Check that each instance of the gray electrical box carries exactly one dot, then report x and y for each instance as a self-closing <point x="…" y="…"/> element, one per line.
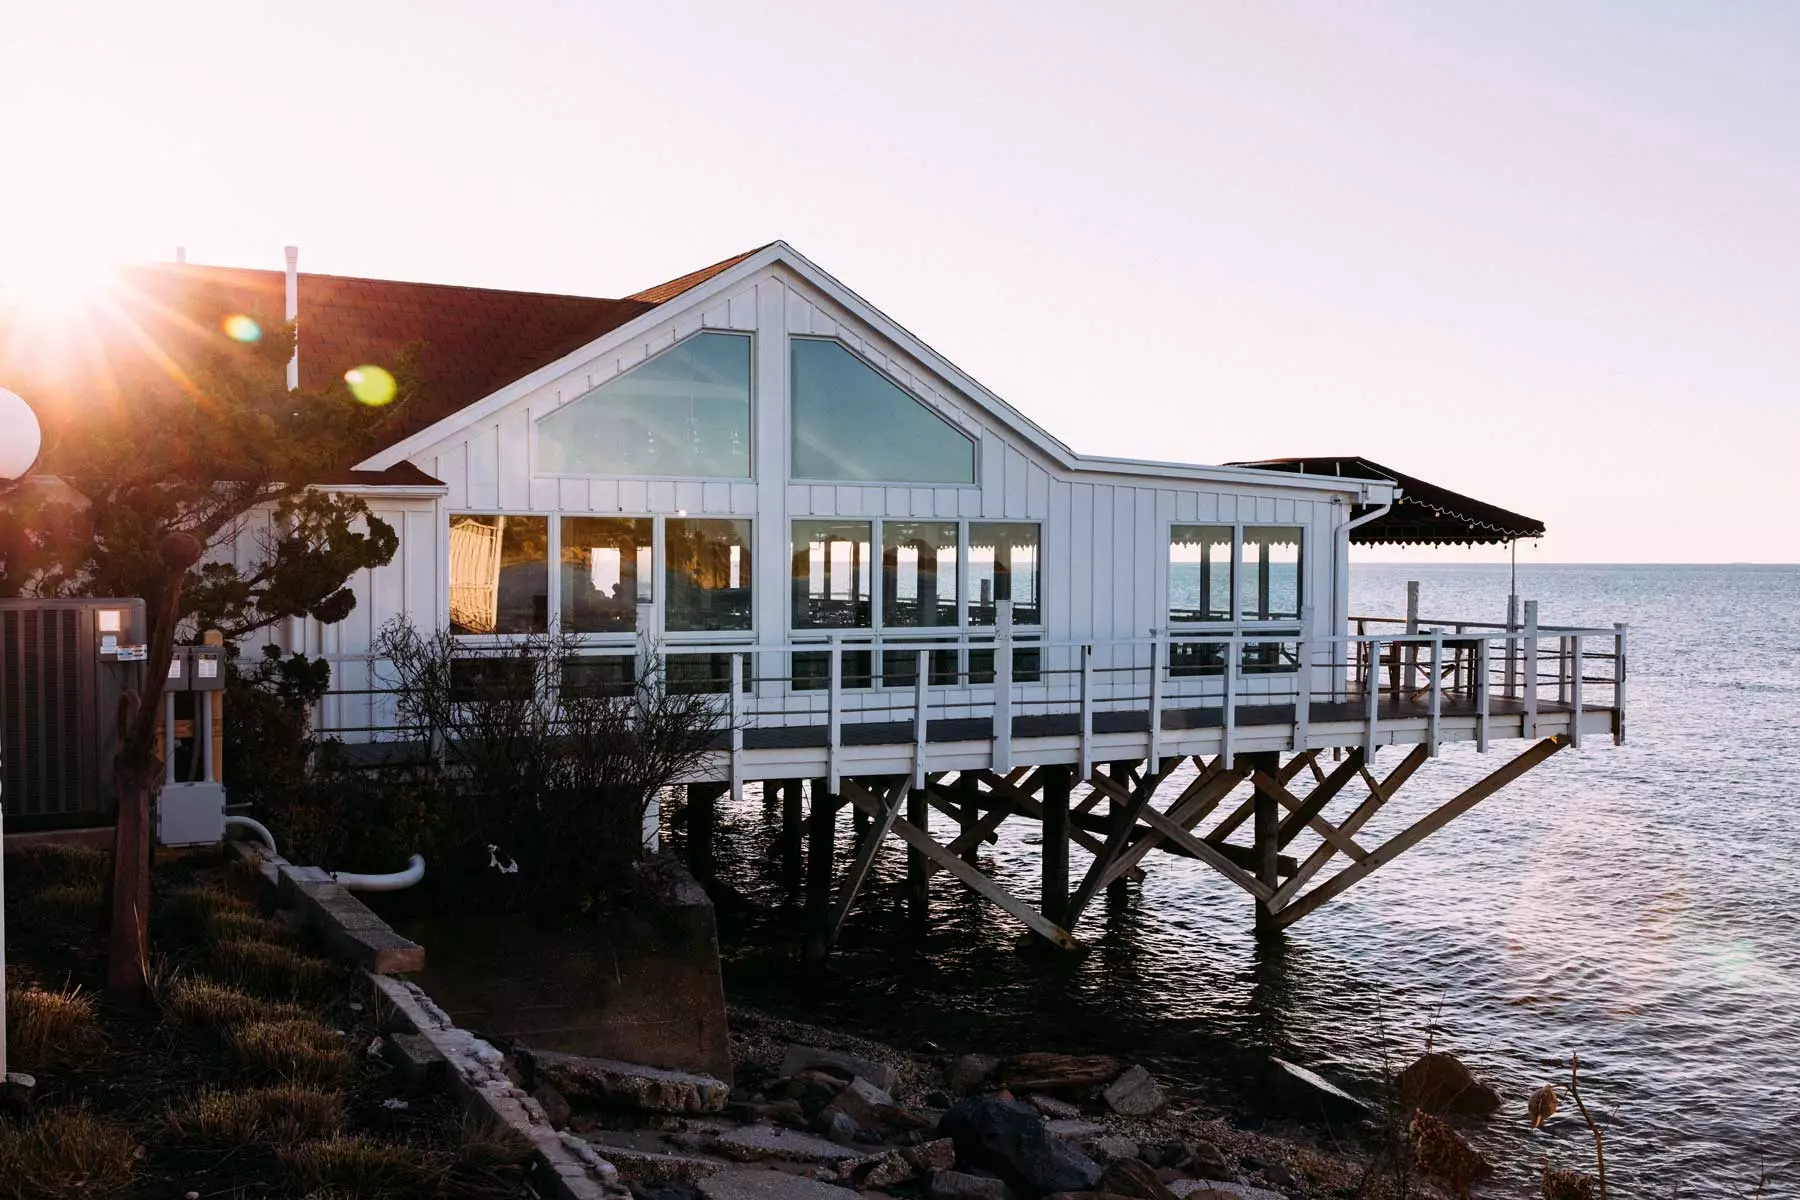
<point x="206" y="668"/>
<point x="178" y="671"/>
<point x="63" y="666"/>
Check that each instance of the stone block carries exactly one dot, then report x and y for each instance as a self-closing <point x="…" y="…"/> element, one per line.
<point x="1134" y="1094"/>
<point x="956" y="1185"/>
<point x="801" y="1058"/>
<point x="759" y="1142"/>
<point x="749" y="1183"/>
<point x="415" y="1057"/>
<point x="625" y="1085"/>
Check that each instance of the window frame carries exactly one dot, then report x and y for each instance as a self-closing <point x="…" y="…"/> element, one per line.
<point x="1282" y="629"/>
<point x="974" y="439"/>
<point x="536" y="464"/>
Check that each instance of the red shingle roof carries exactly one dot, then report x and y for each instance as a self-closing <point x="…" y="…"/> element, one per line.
<point x="157" y="318"/>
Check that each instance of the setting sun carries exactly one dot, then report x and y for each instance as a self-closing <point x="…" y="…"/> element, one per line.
<point x="50" y="280"/>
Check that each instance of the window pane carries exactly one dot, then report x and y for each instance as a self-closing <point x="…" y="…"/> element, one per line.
<point x="684" y="412"/>
<point x="831" y="575"/>
<point x="497" y="680"/>
<point x="812" y="670"/>
<point x="1200" y="573"/>
<point x="852" y="422"/>
<point x="499" y="574"/>
<point x="1003" y="565"/>
<point x="1196" y="658"/>
<point x="708" y="574"/>
<point x="918" y="573"/>
<point x="1027" y="665"/>
<point x="705" y="673"/>
<point x="1271" y="586"/>
<point x="900" y="668"/>
<point x="606" y="573"/>
<point x="599" y="678"/>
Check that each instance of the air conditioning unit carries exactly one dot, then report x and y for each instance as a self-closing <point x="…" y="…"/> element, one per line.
<point x="63" y="666"/>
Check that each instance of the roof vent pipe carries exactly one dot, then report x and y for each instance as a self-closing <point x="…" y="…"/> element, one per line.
<point x="293" y="312"/>
<point x="181" y="254"/>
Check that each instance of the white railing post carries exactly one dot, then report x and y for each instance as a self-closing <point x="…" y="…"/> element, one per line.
<point x="834" y="726"/>
<point x="646" y="641"/>
<point x="920" y="716"/>
<point x="1156" y="697"/>
<point x="1228" y="739"/>
<point x="1087" y="711"/>
<point x="1512" y="647"/>
<point x="737" y="727"/>
<point x="1410" y="672"/>
<point x="1372" y="696"/>
<point x="1436" y="689"/>
<point x="1003" y="674"/>
<point x="1529" y="725"/>
<point x="1303" y="681"/>
<point x="1481" y="695"/>
<point x="1619" y="684"/>
<point x="1574" y="642"/>
<point x="1562" y="670"/>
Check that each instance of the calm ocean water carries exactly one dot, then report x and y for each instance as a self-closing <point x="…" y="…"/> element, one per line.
<point x="1637" y="905"/>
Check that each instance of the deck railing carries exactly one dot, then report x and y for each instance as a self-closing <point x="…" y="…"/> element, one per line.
<point x="1389" y="669"/>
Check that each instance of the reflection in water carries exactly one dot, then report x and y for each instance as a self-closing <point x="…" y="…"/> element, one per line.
<point x="1576" y="911"/>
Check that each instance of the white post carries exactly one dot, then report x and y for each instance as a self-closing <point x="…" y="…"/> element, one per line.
<point x="1411" y="658"/>
<point x="1157" y="645"/>
<point x="646" y="641"/>
<point x="920" y="715"/>
<point x="737" y="728"/>
<point x="1087" y="712"/>
<point x="1575" y="690"/>
<point x="1481" y="695"/>
<point x="1228" y="740"/>
<point x="1003" y="673"/>
<point x="293" y="312"/>
<point x="1512" y="648"/>
<point x="1619" y="684"/>
<point x="1436" y="684"/>
<point x="1304" y="682"/>
<point x="1531" y="670"/>
<point x="1372" y="695"/>
<point x="204" y="716"/>
<point x="834" y="734"/>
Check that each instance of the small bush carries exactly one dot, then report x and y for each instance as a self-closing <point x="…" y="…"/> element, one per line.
<point x="284" y="1113"/>
<point x="216" y="1006"/>
<point x="50" y="864"/>
<point x="276" y="971"/>
<point x="45" y="1027"/>
<point x="362" y="1167"/>
<point x="66" y="903"/>
<point x="190" y="910"/>
<point x="66" y="1154"/>
<point x="295" y="1050"/>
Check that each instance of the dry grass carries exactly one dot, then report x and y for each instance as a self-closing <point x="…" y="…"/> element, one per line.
<point x="362" y="1167"/>
<point x="277" y="971"/>
<point x="219" y="1007"/>
<point x="47" y="865"/>
<point x="243" y="876"/>
<point x="295" y="1051"/>
<point x="44" y="1027"/>
<point x="66" y="1154"/>
<point x="66" y="903"/>
<point x="283" y="1114"/>
<point x="234" y="925"/>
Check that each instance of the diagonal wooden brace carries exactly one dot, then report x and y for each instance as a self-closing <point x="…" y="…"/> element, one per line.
<point x="1124" y="823"/>
<point x="1379" y="794"/>
<point x="1200" y="797"/>
<point x="1242" y="812"/>
<point x="865" y="856"/>
<point x="1419" y="830"/>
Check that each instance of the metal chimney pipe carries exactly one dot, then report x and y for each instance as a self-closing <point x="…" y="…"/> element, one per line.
<point x="293" y="312"/>
<point x="181" y="254"/>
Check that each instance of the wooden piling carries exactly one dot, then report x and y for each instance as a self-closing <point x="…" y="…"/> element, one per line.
<point x="821" y="847"/>
<point x="1120" y="888"/>
<point x="702" y="824"/>
<point x="1266" y="840"/>
<point x="1057" y="786"/>
<point x="918" y="867"/>
<point x="968" y="796"/>
<point x="792" y="835"/>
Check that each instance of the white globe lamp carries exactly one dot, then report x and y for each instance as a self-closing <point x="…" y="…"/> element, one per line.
<point x="20" y="437"/>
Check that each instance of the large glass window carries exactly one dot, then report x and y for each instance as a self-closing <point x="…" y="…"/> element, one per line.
<point x="831" y="575"/>
<point x="499" y="574"/>
<point x="684" y="412"/>
<point x="1200" y="573"/>
<point x="708" y="573"/>
<point x="1003" y="565"/>
<point x="606" y="572"/>
<point x="1270" y="587"/>
<point x="918" y="574"/>
<point x="851" y="422"/>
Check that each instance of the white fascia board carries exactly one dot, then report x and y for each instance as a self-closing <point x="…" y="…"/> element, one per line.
<point x="384" y="491"/>
<point x="1366" y="490"/>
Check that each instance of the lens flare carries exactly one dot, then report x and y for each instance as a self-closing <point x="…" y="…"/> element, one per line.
<point x="240" y="328"/>
<point x="371" y="385"/>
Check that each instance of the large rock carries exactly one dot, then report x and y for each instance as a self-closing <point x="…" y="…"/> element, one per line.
<point x="1134" y="1094"/>
<point x="1309" y="1094"/>
<point x="754" y="1184"/>
<point x="1440" y="1151"/>
<point x="1009" y="1139"/>
<point x="862" y="1102"/>
<point x="1128" y="1177"/>
<point x="1111" y="1147"/>
<point x="1039" y="1072"/>
<point x="1439" y="1083"/>
<point x="970" y="1073"/>
<point x="624" y="1085"/>
<point x="802" y="1058"/>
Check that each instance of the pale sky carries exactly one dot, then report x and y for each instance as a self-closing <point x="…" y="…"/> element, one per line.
<point x="1548" y="254"/>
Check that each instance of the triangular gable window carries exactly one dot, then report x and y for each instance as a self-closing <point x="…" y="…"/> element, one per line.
<point x="684" y="412"/>
<point x="852" y="423"/>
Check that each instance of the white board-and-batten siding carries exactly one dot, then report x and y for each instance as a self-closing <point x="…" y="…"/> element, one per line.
<point x="1104" y="537"/>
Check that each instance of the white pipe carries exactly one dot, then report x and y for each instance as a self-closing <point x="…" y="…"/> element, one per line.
<point x="415" y="871"/>
<point x="256" y="827"/>
<point x="1370" y="516"/>
<point x="292" y="307"/>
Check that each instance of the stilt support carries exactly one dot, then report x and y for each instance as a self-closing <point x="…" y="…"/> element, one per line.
<point x="1055" y="847"/>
